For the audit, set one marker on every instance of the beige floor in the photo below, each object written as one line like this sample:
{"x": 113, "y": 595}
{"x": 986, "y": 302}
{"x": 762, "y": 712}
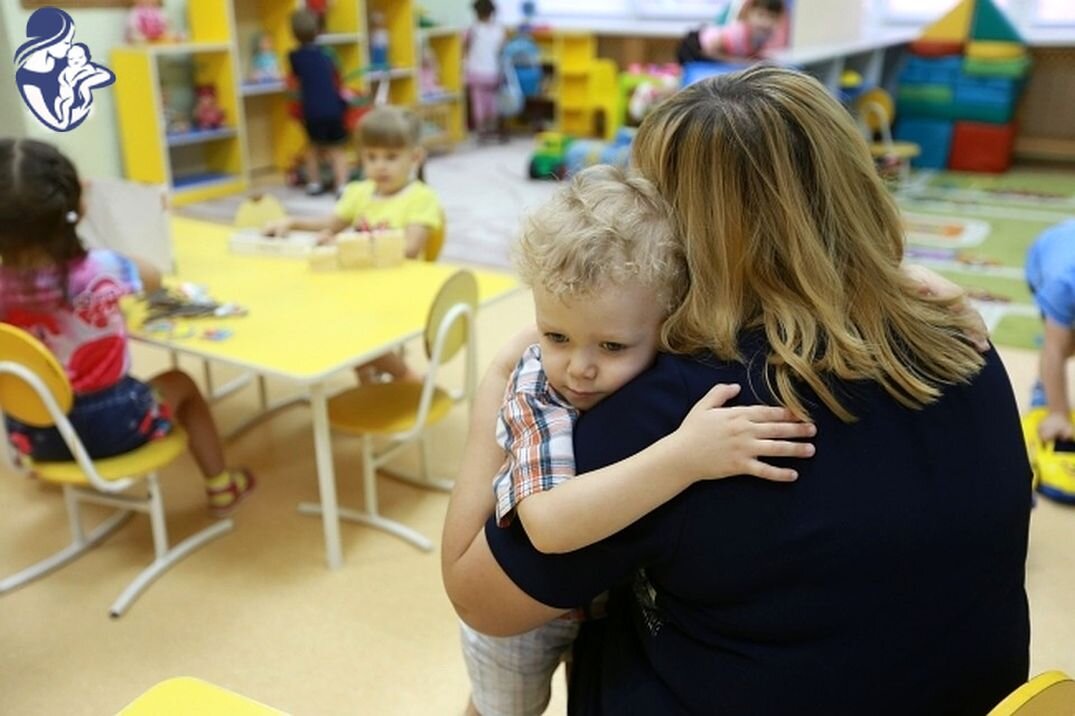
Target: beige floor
{"x": 258, "y": 612}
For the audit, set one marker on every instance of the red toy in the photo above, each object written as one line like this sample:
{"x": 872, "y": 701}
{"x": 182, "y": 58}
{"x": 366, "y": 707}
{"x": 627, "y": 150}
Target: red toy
{"x": 207, "y": 113}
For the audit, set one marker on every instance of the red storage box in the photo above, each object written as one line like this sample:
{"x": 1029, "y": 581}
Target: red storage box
{"x": 982, "y": 147}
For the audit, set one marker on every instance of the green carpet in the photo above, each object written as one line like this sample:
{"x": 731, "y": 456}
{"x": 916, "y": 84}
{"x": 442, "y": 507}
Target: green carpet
{"x": 976, "y": 229}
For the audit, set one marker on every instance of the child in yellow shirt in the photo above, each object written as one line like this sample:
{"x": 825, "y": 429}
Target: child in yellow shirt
{"x": 390, "y": 197}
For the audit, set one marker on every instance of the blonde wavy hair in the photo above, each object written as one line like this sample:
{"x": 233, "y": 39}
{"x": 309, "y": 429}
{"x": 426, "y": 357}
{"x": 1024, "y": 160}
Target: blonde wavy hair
{"x": 787, "y": 228}
{"x": 604, "y": 227}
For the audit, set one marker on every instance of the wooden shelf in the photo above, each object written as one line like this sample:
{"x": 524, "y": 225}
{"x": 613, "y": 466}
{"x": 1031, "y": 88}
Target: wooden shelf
{"x": 441, "y": 98}
{"x": 392, "y": 73}
{"x": 200, "y": 136}
{"x": 431, "y": 32}
{"x": 338, "y": 38}
{"x": 185, "y": 48}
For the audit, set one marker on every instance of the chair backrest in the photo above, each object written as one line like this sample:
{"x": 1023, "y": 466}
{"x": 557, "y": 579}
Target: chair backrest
{"x": 460, "y": 288}
{"x": 436, "y": 240}
{"x": 20, "y": 399}
{"x": 1049, "y": 694}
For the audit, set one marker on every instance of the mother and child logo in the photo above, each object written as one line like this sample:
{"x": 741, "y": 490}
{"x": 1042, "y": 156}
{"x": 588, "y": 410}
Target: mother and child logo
{"x": 54, "y": 74}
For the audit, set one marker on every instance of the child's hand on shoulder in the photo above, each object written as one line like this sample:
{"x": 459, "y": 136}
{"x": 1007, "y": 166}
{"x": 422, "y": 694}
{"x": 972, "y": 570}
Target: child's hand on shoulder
{"x": 714, "y": 442}
{"x": 277, "y": 227}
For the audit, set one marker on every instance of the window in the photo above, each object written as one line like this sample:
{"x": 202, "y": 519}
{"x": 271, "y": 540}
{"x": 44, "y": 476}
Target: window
{"x": 680, "y": 9}
{"x": 590, "y": 8}
{"x": 1055, "y": 12}
{"x": 922, "y": 11}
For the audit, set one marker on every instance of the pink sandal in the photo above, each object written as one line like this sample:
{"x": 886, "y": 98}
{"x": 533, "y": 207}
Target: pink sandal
{"x": 226, "y": 508}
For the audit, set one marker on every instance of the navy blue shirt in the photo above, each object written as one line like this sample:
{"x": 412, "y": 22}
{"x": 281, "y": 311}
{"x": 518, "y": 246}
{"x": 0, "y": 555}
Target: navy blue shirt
{"x": 317, "y": 83}
{"x": 888, "y": 579}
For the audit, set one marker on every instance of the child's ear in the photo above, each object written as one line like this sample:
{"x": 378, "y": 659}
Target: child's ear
{"x": 419, "y": 156}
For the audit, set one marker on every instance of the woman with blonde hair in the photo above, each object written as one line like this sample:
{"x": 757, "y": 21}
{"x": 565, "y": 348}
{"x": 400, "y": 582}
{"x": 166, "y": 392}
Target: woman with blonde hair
{"x": 889, "y": 578}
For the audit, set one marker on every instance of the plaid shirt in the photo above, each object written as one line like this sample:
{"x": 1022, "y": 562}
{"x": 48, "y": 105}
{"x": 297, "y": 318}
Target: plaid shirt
{"x": 534, "y": 426}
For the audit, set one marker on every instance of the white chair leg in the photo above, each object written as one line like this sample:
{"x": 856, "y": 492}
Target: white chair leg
{"x": 426, "y": 481}
{"x": 369, "y": 475}
{"x": 163, "y": 563}
{"x": 76, "y": 549}
{"x": 378, "y": 522}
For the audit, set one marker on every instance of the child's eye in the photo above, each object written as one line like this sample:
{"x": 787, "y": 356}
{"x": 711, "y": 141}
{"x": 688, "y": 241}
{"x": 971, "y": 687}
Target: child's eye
{"x": 613, "y": 347}
{"x": 556, "y": 337}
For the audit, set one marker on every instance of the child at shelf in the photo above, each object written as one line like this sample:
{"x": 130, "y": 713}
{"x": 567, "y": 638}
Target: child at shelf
{"x": 760, "y": 27}
{"x": 391, "y": 197}
{"x": 323, "y": 107}
{"x": 483, "y": 43}
{"x": 68, "y": 297}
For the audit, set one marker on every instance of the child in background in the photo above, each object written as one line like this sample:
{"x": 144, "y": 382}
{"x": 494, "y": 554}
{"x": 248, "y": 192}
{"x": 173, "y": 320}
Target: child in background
{"x": 391, "y": 196}
{"x": 606, "y": 270}
{"x": 742, "y": 39}
{"x": 1050, "y": 271}
{"x": 68, "y": 297}
{"x": 482, "y": 45}
{"x": 323, "y": 107}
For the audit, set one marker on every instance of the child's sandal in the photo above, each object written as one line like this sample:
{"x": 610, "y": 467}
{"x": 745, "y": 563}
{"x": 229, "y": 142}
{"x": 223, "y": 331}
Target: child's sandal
{"x": 224, "y": 500}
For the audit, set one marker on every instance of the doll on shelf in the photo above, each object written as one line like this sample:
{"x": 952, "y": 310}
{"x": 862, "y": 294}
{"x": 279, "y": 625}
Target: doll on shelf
{"x": 379, "y": 39}
{"x": 147, "y": 22}
{"x": 207, "y": 112}
{"x": 264, "y": 64}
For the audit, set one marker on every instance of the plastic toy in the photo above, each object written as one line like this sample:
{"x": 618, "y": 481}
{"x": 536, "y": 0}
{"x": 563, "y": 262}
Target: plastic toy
{"x": 264, "y": 64}
{"x": 147, "y": 22}
{"x": 583, "y": 153}
{"x": 548, "y": 160}
{"x": 1053, "y": 463}
{"x": 379, "y": 39}
{"x": 207, "y": 112}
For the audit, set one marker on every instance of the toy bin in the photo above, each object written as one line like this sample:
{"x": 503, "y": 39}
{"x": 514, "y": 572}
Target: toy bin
{"x": 982, "y": 147}
{"x": 934, "y": 136}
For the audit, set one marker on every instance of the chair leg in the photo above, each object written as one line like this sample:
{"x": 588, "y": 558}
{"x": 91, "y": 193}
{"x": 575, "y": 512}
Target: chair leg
{"x": 425, "y": 480}
{"x": 80, "y": 544}
{"x": 165, "y": 557}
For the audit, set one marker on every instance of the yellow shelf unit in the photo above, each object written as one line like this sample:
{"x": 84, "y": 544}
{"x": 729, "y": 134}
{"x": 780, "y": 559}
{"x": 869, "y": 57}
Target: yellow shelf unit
{"x": 195, "y": 165}
{"x": 444, "y": 109}
{"x": 399, "y": 20}
{"x": 578, "y": 81}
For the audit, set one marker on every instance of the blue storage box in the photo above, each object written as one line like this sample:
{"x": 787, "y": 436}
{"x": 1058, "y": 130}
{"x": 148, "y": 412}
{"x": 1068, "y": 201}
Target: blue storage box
{"x": 938, "y": 70}
{"x": 933, "y": 136}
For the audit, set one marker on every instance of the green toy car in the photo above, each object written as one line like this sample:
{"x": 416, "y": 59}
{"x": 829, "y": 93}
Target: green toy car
{"x": 547, "y": 161}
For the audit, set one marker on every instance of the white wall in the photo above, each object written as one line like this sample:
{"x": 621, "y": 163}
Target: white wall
{"x": 458, "y": 12}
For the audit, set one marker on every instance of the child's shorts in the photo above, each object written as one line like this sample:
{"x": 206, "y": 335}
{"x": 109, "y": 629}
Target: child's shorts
{"x": 327, "y": 132}
{"x": 109, "y": 422}
{"x": 512, "y": 675}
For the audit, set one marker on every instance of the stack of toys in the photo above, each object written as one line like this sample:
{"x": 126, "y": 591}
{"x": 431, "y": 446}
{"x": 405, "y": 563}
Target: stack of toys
{"x": 377, "y": 248}
{"x": 958, "y": 91}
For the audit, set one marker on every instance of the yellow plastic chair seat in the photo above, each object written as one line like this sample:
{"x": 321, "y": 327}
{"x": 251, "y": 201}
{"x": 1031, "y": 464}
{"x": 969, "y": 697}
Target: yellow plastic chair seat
{"x": 141, "y": 461}
{"x": 903, "y": 150}
{"x": 186, "y": 695}
{"x": 383, "y": 408}
{"x": 1049, "y": 694}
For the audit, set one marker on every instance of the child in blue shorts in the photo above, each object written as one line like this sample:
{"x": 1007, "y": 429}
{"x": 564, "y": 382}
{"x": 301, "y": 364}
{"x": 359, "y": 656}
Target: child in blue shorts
{"x": 68, "y": 297}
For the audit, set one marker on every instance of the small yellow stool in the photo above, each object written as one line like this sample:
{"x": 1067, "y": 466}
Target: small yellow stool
{"x": 185, "y": 695}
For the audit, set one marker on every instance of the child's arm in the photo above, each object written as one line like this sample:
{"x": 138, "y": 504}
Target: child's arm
{"x": 148, "y": 273}
{"x": 416, "y": 237}
{"x": 331, "y": 224}
{"x": 1056, "y": 348}
{"x": 711, "y": 443}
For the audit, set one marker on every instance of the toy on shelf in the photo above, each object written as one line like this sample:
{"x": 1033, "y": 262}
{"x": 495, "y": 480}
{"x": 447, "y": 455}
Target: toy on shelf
{"x": 361, "y": 249}
{"x": 147, "y": 22}
{"x": 379, "y": 40}
{"x": 264, "y": 63}
{"x": 429, "y": 73}
{"x": 207, "y": 111}
{"x": 175, "y": 120}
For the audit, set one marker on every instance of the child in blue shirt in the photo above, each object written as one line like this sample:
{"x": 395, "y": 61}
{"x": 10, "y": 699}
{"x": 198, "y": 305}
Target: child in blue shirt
{"x": 1050, "y": 271}
{"x": 322, "y": 106}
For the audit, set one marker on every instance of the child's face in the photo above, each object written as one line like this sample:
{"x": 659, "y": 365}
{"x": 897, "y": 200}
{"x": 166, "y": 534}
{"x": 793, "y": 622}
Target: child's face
{"x": 390, "y": 168}
{"x": 762, "y": 22}
{"x": 76, "y": 57}
{"x": 592, "y": 345}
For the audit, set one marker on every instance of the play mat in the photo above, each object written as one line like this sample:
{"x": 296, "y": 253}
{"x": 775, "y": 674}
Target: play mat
{"x": 976, "y": 229}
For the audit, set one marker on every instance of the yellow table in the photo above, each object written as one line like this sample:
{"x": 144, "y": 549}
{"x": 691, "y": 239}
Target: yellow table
{"x": 306, "y": 326}
{"x": 186, "y": 695}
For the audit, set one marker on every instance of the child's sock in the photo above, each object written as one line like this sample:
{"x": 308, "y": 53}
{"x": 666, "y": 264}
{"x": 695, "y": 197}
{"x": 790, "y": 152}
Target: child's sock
{"x": 227, "y": 490}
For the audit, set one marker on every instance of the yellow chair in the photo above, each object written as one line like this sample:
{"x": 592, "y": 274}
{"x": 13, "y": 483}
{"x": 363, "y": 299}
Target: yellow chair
{"x": 436, "y": 240}
{"x": 184, "y": 695}
{"x": 35, "y": 390}
{"x": 401, "y": 412}
{"x": 1048, "y": 694}
{"x": 875, "y": 111}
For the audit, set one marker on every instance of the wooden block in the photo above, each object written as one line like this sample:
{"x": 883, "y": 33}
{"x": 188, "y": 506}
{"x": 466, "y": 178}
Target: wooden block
{"x": 388, "y": 248}
{"x": 355, "y": 249}
{"x": 953, "y": 27}
{"x": 324, "y": 258}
